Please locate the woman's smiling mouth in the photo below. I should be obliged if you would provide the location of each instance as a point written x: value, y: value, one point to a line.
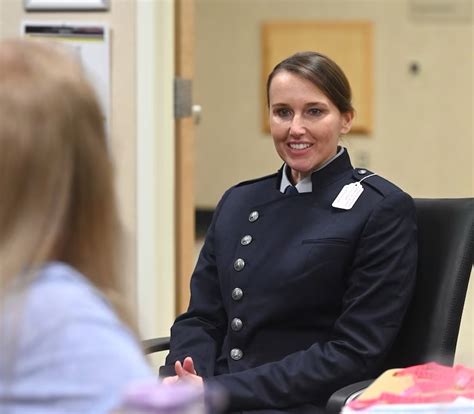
x: 299, y: 146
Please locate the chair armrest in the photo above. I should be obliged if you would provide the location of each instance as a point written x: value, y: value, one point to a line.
x: 156, y: 345
x: 343, y: 395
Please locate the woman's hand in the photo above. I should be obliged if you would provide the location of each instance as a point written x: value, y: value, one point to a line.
x: 185, y: 372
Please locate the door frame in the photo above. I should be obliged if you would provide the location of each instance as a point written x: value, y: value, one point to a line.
x: 184, y: 156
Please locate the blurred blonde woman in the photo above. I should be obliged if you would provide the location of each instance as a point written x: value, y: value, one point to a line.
x: 63, y: 349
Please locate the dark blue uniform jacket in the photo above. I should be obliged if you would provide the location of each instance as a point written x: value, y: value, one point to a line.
x: 316, y: 299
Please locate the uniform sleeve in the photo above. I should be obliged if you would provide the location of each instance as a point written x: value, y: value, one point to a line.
x: 200, y: 331
x: 379, y: 288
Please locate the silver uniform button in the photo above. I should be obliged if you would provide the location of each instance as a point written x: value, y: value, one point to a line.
x: 237, y: 294
x: 239, y: 264
x: 246, y: 240
x: 236, y: 324
x: 362, y: 171
x: 236, y: 354
x: 253, y: 216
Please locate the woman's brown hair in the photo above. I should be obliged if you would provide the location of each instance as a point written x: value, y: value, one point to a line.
x: 323, y: 72
x: 57, y: 199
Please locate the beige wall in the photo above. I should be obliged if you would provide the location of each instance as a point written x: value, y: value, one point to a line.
x: 423, y: 129
x: 155, y: 168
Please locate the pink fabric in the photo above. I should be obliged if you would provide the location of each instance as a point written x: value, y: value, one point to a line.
x: 433, y: 383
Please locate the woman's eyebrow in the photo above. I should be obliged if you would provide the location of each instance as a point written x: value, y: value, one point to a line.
x: 320, y: 103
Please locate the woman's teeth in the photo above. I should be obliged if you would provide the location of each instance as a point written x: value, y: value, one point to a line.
x: 299, y: 146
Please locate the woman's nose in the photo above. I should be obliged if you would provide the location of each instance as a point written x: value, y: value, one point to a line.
x: 297, y: 127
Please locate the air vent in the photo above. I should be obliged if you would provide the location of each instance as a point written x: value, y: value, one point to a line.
x: 441, y: 10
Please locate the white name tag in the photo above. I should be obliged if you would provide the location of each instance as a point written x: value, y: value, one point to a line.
x: 348, y: 196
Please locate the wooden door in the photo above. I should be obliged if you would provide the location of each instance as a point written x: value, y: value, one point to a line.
x: 185, y: 205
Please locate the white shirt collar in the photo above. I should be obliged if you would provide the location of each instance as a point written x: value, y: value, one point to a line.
x: 305, y: 185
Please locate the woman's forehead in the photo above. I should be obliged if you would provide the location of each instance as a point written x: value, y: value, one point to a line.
x: 289, y: 86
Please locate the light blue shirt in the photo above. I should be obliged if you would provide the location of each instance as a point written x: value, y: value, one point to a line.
x: 305, y: 185
x: 63, y: 350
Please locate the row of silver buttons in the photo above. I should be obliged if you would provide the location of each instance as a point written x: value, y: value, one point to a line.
x: 237, y: 293
x: 239, y: 263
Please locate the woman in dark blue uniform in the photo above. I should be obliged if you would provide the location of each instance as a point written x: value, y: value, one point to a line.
x: 306, y: 274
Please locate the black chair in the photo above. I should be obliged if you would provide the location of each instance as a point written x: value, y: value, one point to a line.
x: 153, y: 345
x: 431, y: 326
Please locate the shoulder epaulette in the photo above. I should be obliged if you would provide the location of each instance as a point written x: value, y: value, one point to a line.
x: 378, y: 183
x: 256, y: 180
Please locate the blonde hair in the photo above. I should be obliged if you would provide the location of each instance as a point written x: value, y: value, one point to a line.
x: 57, y: 199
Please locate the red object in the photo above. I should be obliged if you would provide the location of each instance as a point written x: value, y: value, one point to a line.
x: 432, y: 383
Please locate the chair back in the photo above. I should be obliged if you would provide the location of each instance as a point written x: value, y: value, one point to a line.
x: 445, y: 257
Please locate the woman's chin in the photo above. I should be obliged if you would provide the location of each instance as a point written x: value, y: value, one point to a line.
x: 300, y: 168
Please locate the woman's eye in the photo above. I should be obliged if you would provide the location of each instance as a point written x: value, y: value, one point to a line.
x: 283, y: 112
x: 315, y: 111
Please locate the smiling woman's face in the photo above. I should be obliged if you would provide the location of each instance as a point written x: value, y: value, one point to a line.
x: 304, y: 123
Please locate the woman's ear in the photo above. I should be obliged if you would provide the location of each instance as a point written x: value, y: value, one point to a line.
x: 347, y: 118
